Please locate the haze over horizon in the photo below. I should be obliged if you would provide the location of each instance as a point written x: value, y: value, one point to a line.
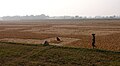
x: 60, y: 7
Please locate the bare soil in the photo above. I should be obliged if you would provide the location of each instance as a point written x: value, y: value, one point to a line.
x: 73, y: 33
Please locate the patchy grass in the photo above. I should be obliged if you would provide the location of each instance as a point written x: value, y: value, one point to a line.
x: 20, y: 43
x: 30, y: 55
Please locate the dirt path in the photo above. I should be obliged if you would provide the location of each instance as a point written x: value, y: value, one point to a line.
x: 52, y: 41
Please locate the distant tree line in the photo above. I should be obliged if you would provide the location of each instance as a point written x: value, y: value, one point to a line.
x: 31, y: 17
x: 43, y: 16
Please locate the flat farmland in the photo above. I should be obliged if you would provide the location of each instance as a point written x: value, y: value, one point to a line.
x: 73, y: 33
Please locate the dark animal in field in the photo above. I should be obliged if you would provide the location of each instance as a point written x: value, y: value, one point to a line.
x: 58, y: 39
x: 46, y: 43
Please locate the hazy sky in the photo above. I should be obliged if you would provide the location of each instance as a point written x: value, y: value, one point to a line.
x: 59, y: 7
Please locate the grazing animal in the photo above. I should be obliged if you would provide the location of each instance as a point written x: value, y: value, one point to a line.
x: 58, y: 39
x: 46, y: 43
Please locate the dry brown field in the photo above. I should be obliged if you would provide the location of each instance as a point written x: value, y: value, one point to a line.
x: 73, y: 33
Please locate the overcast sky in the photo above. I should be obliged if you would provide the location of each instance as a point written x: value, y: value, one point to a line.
x: 60, y: 7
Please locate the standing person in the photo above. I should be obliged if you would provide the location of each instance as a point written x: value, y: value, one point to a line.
x: 93, y: 41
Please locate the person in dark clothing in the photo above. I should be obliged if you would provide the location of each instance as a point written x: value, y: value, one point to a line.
x: 93, y: 41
